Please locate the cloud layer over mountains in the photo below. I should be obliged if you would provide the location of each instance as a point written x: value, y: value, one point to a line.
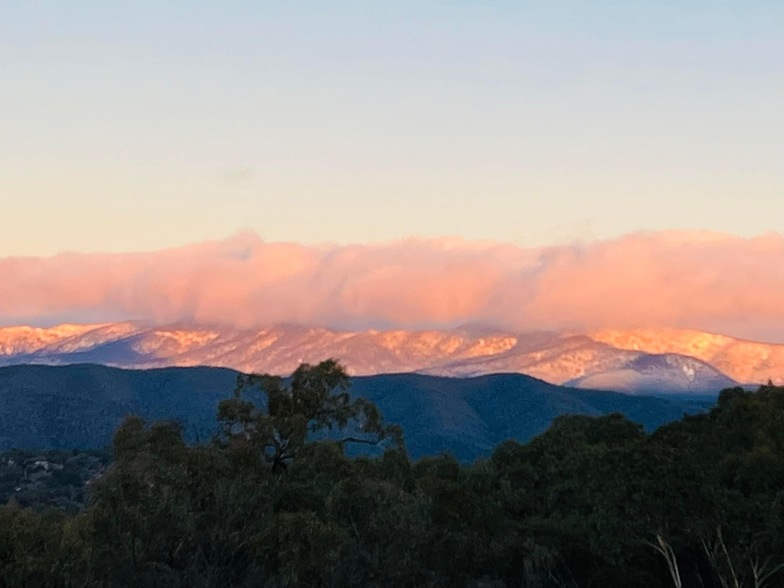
x: 675, y: 279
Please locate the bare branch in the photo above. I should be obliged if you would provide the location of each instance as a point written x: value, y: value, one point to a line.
x: 358, y: 440
x: 668, y: 554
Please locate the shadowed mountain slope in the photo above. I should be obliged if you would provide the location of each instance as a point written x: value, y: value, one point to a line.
x: 79, y: 406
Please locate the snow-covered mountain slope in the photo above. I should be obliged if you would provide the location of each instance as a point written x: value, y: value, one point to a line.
x: 743, y: 361
x: 21, y: 340
x: 275, y: 350
x: 607, y: 360
x: 579, y: 361
x: 651, y: 374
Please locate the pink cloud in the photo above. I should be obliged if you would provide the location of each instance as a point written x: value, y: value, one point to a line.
x: 674, y: 279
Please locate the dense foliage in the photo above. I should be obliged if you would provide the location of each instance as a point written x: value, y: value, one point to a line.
x: 594, y: 501
x: 58, y: 479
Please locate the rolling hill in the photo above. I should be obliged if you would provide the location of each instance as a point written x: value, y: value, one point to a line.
x: 79, y: 406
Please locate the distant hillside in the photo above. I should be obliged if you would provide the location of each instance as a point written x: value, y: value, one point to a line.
x: 79, y: 406
x: 607, y: 361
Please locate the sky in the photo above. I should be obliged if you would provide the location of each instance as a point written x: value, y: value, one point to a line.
x: 141, y: 126
x: 413, y: 164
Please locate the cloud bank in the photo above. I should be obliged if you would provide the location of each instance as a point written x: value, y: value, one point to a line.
x: 674, y: 279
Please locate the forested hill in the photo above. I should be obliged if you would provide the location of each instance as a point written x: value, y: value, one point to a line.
x: 80, y: 406
x: 592, y: 502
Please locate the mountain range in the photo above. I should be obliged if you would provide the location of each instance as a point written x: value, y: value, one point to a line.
x: 638, y: 361
x: 80, y: 406
x: 633, y: 361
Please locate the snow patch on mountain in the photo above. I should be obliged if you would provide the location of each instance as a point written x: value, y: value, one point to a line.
x: 744, y: 361
x: 630, y: 361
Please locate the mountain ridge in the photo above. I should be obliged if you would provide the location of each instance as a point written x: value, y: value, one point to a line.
x: 80, y: 405
x: 673, y: 361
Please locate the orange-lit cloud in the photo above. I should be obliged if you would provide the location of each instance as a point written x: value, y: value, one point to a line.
x: 675, y: 279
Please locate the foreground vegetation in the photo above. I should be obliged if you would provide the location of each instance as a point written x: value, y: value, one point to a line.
x: 276, y: 499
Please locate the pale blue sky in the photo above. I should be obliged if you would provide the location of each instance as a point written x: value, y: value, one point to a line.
x: 140, y: 125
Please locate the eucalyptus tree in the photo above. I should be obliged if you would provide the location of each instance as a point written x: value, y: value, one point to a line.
x: 313, y: 404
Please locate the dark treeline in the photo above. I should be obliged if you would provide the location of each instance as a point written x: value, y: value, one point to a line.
x: 276, y: 500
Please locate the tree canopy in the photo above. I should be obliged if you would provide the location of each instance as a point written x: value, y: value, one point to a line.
x: 277, y: 500
x: 313, y: 404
